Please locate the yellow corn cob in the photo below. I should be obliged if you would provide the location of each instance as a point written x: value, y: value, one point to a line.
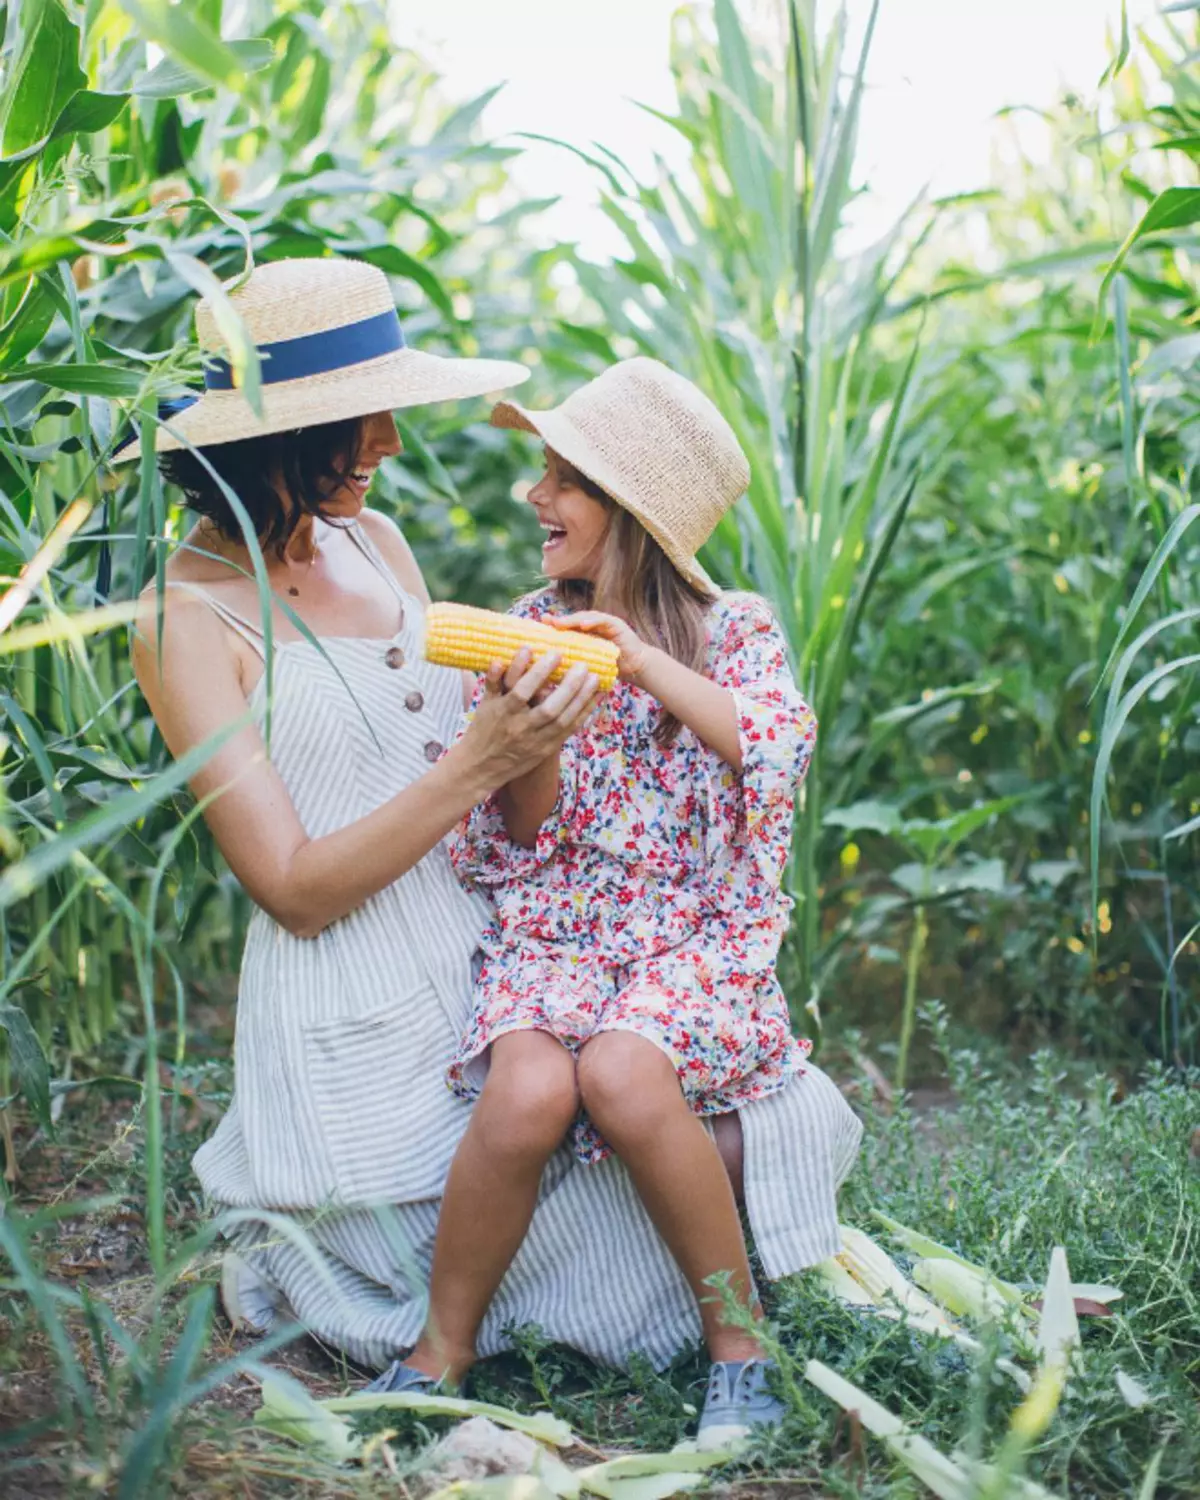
x: 458, y: 635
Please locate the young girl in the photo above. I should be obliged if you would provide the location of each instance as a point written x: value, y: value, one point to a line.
x: 629, y: 982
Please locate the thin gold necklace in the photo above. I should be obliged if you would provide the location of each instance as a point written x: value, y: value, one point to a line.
x: 294, y: 589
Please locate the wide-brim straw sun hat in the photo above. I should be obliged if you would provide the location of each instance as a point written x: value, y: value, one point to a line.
x: 331, y: 347
x: 656, y: 445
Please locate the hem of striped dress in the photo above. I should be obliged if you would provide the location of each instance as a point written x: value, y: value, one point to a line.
x: 800, y: 1145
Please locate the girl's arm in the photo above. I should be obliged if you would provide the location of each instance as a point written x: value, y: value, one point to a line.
x: 527, y: 801
x: 192, y: 683
x: 707, y: 709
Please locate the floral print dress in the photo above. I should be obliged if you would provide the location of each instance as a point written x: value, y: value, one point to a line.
x: 652, y: 901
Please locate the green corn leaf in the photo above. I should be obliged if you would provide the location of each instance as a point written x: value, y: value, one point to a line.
x: 172, y: 78
x: 288, y: 1410
x: 651, y: 1486
x: 187, y: 38
x: 87, y: 112
x: 1122, y: 53
x: 109, y: 381
x: 1149, y: 1485
x: 123, y: 811
x: 542, y: 1427
x: 30, y: 1071
x: 42, y: 77
x: 1175, y: 208
x: 497, y: 1487
x: 682, y: 1469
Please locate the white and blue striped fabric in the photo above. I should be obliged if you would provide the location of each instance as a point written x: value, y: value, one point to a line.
x: 341, y: 1118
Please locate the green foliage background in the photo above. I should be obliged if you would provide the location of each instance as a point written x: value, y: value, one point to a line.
x: 974, y: 447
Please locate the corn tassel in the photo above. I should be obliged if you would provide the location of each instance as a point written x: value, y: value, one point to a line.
x: 459, y: 635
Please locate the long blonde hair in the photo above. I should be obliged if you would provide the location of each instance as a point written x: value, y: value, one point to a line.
x: 637, y: 581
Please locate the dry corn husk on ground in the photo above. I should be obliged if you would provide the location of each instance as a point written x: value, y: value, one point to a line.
x: 493, y: 1454
x: 957, y: 1476
x: 1048, y: 1331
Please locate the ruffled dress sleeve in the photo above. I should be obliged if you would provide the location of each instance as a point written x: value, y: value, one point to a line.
x: 777, y: 732
x: 480, y: 849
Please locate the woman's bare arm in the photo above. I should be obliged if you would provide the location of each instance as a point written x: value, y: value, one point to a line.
x: 195, y: 691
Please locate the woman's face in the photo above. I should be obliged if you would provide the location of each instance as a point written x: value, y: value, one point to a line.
x: 379, y: 440
x: 575, y: 523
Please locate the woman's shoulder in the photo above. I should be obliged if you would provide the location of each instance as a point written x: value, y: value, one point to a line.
x: 393, y: 545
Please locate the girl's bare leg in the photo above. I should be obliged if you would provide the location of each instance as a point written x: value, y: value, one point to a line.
x: 527, y: 1105
x: 631, y: 1091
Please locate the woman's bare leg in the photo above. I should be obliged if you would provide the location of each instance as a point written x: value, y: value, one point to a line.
x: 631, y: 1092
x: 527, y: 1105
x: 731, y: 1143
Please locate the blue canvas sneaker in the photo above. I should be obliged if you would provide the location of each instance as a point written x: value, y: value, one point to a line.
x: 401, y: 1377
x: 738, y: 1399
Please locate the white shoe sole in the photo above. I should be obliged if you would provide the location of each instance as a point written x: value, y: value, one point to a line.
x: 250, y: 1304
x: 723, y: 1435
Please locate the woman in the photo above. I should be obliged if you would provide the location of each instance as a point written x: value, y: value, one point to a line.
x: 331, y: 810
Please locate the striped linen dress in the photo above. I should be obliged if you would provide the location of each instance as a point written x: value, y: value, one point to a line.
x: 328, y: 1166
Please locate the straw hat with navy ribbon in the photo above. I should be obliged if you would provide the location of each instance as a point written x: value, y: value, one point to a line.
x: 331, y: 347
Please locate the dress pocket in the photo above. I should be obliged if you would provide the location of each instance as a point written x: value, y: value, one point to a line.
x: 389, y: 1120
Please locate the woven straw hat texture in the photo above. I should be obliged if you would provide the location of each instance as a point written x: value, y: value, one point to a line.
x: 289, y: 299
x: 655, y: 443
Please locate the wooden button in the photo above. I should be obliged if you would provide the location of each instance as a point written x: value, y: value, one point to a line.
x: 433, y: 752
x: 395, y: 658
x: 415, y: 702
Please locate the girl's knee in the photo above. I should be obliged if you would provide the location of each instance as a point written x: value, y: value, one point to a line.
x: 530, y: 1097
x: 627, y: 1083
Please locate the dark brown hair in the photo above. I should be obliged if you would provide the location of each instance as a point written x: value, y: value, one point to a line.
x: 309, y: 462
x: 637, y: 581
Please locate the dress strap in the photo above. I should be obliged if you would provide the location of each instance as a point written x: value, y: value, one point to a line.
x: 250, y: 633
x: 371, y: 552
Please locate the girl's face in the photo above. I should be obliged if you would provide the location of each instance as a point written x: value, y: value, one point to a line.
x: 575, y: 523
x: 378, y: 440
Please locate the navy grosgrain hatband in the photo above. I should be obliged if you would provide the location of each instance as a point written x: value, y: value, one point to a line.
x: 317, y: 353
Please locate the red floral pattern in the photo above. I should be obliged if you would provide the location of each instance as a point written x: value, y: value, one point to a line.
x: 652, y: 901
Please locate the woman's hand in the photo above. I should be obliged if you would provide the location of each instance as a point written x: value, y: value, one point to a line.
x: 635, y: 653
x: 522, y: 720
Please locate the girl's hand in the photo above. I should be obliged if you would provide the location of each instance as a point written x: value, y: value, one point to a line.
x: 635, y: 654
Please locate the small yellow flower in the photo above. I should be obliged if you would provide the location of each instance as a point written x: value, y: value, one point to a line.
x: 964, y: 776
x: 1104, y: 915
x: 927, y: 695
x: 1085, y: 736
x: 1076, y: 945
x: 850, y: 857
x: 1061, y: 584
x: 1136, y: 809
x: 979, y: 735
